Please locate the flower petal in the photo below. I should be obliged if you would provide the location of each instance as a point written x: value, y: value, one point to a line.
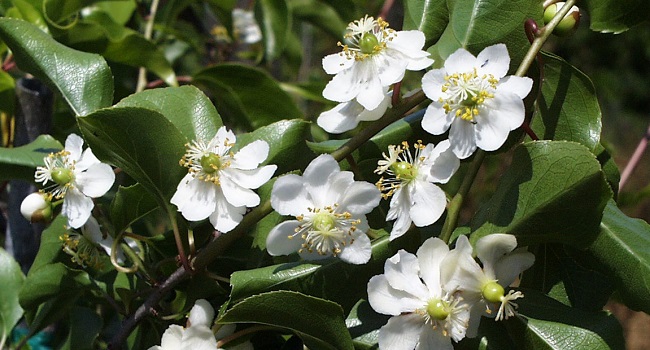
x: 250, y: 156
x: 433, y: 339
x: 389, y: 301
x: 96, y: 180
x: 317, y: 174
x: 401, y: 332
x: 494, y: 60
x: 460, y: 61
x: 430, y: 256
x: 444, y: 163
x: 198, y: 338
x: 172, y: 338
x: 77, y: 208
x: 371, y: 92
x: 278, y: 241
x: 493, y: 247
x: 226, y: 216
x: 342, y: 118
x: 202, y: 314
x: 289, y: 196
x: 399, y: 209
x: 74, y: 144
x: 463, y: 138
x: 519, y: 86
x: 253, y: 178
x: 402, y: 270
x: 343, y: 87
x: 237, y: 195
x: 86, y: 161
x: 194, y: 198
x: 428, y: 202
x: 359, y: 251
x: 360, y: 198
x: 436, y: 121
x: 220, y: 143
x: 374, y: 114
x: 509, y: 267
x: 336, y: 62
x: 432, y: 82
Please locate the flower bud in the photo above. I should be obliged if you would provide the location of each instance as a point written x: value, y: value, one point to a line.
x: 36, y: 207
x: 568, y: 24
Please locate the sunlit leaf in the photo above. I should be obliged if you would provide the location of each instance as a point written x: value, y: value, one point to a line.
x: 20, y: 162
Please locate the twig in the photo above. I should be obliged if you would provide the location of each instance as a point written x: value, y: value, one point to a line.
x: 148, y: 31
x: 634, y: 160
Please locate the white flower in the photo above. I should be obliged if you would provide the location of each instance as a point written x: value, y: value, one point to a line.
x: 245, y: 27
x: 425, y: 314
x: 347, y: 115
x: 474, y: 97
x: 484, y: 287
x: 36, y: 207
x: 415, y: 198
x: 197, y: 336
x: 373, y: 57
x: 219, y: 183
x: 84, y: 247
x: 329, y: 207
x: 77, y: 177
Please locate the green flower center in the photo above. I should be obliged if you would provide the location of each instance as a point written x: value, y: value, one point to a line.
x: 62, y: 176
x: 323, y: 222
x: 368, y: 43
x: 493, y: 292
x: 437, y: 309
x: 211, y: 163
x: 404, y: 171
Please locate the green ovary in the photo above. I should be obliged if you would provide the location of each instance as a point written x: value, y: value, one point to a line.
x: 437, y: 309
x: 368, y: 43
x: 404, y: 171
x: 210, y: 163
x: 62, y: 176
x: 493, y: 292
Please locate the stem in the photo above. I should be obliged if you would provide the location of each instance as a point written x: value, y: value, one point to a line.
x: 178, y: 239
x: 456, y: 203
x: 242, y: 333
x: 148, y: 31
x: 634, y: 160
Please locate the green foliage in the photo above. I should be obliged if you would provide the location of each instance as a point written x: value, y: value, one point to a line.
x: 616, y: 16
x: 11, y: 279
x: 20, y: 162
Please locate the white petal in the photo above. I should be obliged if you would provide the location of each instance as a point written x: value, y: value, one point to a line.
x: 399, y: 209
x: 334, y: 191
x: 334, y: 63
x: 402, y: 270
x: 432, y: 82
x: 202, y: 314
x: 342, y: 118
x: 409, y: 42
x: 250, y: 156
x: 359, y: 251
x: 490, y: 134
x: 317, y: 174
x: 463, y: 139
x: 428, y: 202
x: 226, y: 216
x: 508, y: 268
x: 96, y: 180
x: 444, y: 163
x: 430, y: 256
x: 436, y: 121
x: 87, y: 160
x: 519, y: 86
x: 194, y: 198
x: 507, y: 109
x: 494, y: 60
x: 389, y: 301
x: 278, y: 241
x: 374, y: 114
x: 237, y: 195
x: 74, y: 144
x: 492, y: 247
x: 360, y: 198
x: 434, y: 339
x: 289, y: 196
x: 476, y: 313
x: 172, y: 338
x: 390, y: 67
x: 77, y: 208
x: 253, y: 178
x: 343, y: 87
x: 198, y: 338
x: 371, y: 93
x: 460, y: 61
x: 401, y: 332
x: 219, y: 142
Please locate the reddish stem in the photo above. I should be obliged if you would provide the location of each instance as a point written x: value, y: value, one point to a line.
x: 634, y: 160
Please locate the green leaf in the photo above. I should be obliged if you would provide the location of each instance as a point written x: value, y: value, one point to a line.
x: 616, y: 16
x: 130, y: 204
x: 11, y: 279
x: 7, y: 93
x: 623, y: 248
x: 83, y: 79
x: 49, y: 250
x: 363, y: 324
x: 476, y: 24
x: 119, y: 10
x: 24, y: 10
x: 247, y: 92
x: 50, y: 281
x: 20, y: 162
x: 275, y: 20
x: 319, y: 323
x: 567, y: 108
x: 554, y: 191
x: 85, y: 326
x: 428, y: 16
x: 319, y: 14
x: 544, y: 323
x: 143, y: 142
x: 191, y: 112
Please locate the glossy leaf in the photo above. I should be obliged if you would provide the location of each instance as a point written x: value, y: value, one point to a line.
x: 237, y: 89
x: 363, y: 324
x: 20, y: 162
x: 274, y: 18
x: 544, y: 323
x: 554, y: 191
x: 319, y: 14
x: 623, y: 248
x: 130, y: 204
x: 50, y: 249
x: 61, y: 11
x: 83, y: 79
x: 119, y: 10
x: 143, y: 142
x: 191, y: 112
x: 428, y: 16
x: 85, y: 326
x: 567, y: 108
x: 317, y: 321
x: 11, y: 280
x: 616, y: 16
x: 26, y: 11
x: 50, y: 281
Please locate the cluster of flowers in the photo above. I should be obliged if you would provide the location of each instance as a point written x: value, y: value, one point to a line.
x: 435, y: 296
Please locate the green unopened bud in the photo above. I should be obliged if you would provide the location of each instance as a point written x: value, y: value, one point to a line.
x: 368, y: 43
x: 568, y: 24
x: 36, y: 208
x: 493, y: 292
